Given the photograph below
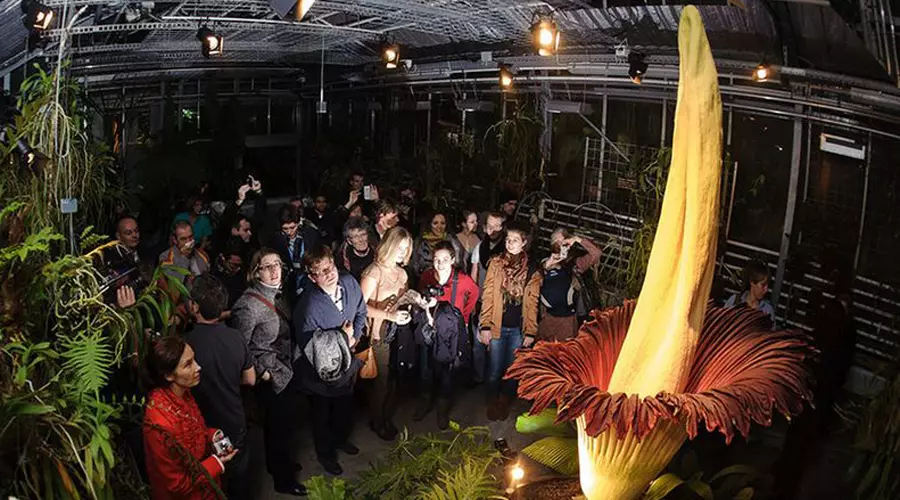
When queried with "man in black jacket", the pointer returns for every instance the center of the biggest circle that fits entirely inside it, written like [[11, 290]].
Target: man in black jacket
[[292, 242]]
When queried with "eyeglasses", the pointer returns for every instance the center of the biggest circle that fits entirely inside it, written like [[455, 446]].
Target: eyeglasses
[[271, 267], [324, 272]]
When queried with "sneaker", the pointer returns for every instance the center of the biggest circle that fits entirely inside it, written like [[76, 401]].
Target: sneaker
[[381, 431]]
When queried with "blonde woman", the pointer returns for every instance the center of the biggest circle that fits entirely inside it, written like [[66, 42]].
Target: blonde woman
[[382, 283]]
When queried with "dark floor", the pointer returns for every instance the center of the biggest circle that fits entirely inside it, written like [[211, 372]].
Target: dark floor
[[822, 476]]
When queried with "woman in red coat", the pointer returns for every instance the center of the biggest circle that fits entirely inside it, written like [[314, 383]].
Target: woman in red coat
[[179, 458], [457, 288]]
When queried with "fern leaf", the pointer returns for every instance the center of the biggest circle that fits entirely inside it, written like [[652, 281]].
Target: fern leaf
[[90, 359], [555, 452]]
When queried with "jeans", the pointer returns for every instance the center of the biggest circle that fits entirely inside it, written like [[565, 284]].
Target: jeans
[[381, 392], [237, 479], [502, 354]]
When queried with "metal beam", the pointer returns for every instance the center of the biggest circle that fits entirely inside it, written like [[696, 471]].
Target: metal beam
[[790, 208]]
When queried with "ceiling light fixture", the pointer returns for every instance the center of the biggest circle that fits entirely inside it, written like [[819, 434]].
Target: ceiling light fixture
[[391, 55], [212, 43], [545, 35], [506, 78], [761, 73], [303, 7], [37, 15], [637, 67]]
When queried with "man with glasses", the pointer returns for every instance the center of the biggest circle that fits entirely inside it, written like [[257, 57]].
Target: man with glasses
[[230, 271], [334, 306], [355, 254]]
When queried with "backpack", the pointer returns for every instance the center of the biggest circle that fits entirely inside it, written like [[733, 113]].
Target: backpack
[[449, 337]]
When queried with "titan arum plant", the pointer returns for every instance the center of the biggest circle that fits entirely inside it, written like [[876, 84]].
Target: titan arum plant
[[641, 378]]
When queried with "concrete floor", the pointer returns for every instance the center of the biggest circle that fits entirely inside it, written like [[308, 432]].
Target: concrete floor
[[469, 410]]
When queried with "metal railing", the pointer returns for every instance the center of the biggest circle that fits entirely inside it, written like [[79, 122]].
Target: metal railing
[[880, 34]]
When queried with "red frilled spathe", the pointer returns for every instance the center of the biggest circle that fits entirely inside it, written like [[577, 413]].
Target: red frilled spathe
[[742, 372]]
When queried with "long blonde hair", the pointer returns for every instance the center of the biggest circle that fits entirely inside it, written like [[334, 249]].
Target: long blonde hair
[[384, 255]]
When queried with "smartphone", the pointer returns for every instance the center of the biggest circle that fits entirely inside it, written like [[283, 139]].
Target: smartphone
[[564, 252], [367, 192]]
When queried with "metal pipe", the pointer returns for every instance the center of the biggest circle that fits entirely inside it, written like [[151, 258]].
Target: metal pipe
[[731, 201], [862, 215], [789, 209]]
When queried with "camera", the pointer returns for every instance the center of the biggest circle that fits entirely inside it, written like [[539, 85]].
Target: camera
[[367, 192], [221, 444], [432, 292]]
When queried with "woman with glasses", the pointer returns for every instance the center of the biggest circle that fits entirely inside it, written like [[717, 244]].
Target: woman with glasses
[[382, 284], [263, 317]]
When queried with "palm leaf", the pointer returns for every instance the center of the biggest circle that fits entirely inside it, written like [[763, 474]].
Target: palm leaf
[[555, 452]]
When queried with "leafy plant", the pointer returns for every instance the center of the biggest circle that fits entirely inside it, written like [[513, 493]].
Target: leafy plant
[[434, 466], [319, 488], [876, 443], [684, 479], [558, 450]]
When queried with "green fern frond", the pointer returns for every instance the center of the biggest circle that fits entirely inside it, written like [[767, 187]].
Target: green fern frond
[[470, 481], [555, 452], [90, 358]]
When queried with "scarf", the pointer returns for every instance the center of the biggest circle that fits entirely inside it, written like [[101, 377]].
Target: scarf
[[515, 273], [432, 239]]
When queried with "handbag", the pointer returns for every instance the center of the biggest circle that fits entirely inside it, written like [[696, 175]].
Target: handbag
[[369, 369]]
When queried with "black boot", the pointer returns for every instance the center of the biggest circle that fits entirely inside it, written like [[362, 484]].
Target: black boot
[[443, 414], [423, 408]]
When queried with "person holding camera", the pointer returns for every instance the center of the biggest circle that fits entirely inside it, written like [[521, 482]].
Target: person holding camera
[[562, 291], [184, 458], [228, 365], [184, 254], [443, 334]]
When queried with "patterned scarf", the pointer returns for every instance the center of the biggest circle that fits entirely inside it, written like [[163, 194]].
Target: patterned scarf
[[432, 239], [515, 273]]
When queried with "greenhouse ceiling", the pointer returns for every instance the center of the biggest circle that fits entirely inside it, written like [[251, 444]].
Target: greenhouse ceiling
[[116, 36]]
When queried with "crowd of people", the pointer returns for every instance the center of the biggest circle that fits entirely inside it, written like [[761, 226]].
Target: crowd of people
[[335, 302]]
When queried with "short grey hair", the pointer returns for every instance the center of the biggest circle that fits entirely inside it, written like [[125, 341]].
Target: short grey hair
[[355, 224]]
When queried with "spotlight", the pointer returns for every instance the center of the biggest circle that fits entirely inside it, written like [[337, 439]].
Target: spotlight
[[25, 151], [761, 73], [545, 35], [506, 78], [37, 15], [636, 67], [303, 7], [212, 43], [517, 473], [391, 55]]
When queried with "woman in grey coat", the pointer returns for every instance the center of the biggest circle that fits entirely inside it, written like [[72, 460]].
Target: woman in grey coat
[[263, 318]]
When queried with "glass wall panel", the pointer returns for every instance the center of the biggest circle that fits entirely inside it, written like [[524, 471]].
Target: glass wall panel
[[761, 151], [881, 233]]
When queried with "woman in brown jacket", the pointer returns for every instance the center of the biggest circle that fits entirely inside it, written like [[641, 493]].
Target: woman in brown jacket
[[509, 312]]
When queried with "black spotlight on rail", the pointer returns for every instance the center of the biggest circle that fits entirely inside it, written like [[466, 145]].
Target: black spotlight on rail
[[211, 42], [37, 15], [390, 53], [545, 34], [637, 67]]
